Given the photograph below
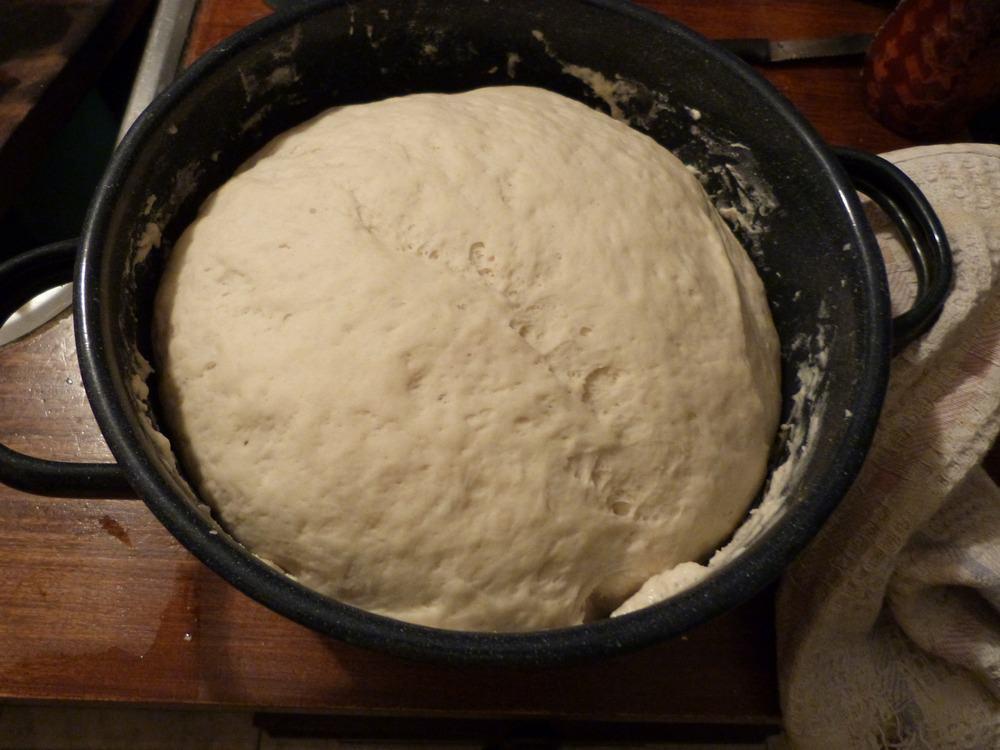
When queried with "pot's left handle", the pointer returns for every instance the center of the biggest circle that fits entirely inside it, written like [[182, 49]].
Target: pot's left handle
[[22, 278]]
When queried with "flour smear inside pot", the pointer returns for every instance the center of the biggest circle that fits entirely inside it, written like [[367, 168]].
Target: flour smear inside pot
[[484, 361]]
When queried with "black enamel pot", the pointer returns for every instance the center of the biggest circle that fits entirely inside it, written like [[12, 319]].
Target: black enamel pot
[[790, 198]]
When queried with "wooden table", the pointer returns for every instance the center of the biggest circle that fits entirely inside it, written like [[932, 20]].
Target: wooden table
[[99, 603]]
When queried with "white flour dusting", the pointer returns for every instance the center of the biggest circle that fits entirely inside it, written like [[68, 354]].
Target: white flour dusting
[[149, 239], [512, 60], [138, 381]]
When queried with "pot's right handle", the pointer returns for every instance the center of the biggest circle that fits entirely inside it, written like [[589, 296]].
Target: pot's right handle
[[22, 278], [925, 240]]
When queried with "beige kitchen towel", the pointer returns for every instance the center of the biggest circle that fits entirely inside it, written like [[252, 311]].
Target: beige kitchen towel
[[889, 622]]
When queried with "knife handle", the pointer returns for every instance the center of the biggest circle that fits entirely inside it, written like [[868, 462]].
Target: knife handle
[[750, 50]]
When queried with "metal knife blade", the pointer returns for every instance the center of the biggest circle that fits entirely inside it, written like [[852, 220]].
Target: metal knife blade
[[767, 50]]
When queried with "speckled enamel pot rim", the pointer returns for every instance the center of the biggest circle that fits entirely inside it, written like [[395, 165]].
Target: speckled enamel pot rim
[[735, 583]]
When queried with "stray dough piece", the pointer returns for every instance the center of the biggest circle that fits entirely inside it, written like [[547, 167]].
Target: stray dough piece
[[485, 361]]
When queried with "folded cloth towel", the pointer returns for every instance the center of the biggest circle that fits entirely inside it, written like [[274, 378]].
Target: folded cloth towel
[[889, 622]]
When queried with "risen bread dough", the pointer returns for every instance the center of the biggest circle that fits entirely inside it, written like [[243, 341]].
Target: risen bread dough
[[480, 361]]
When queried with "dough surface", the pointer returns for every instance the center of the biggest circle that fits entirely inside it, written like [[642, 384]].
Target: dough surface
[[484, 361]]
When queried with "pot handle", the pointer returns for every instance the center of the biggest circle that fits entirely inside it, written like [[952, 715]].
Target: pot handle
[[922, 233], [22, 278]]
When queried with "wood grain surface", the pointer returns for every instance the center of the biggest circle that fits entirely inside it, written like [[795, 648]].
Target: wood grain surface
[[98, 602]]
